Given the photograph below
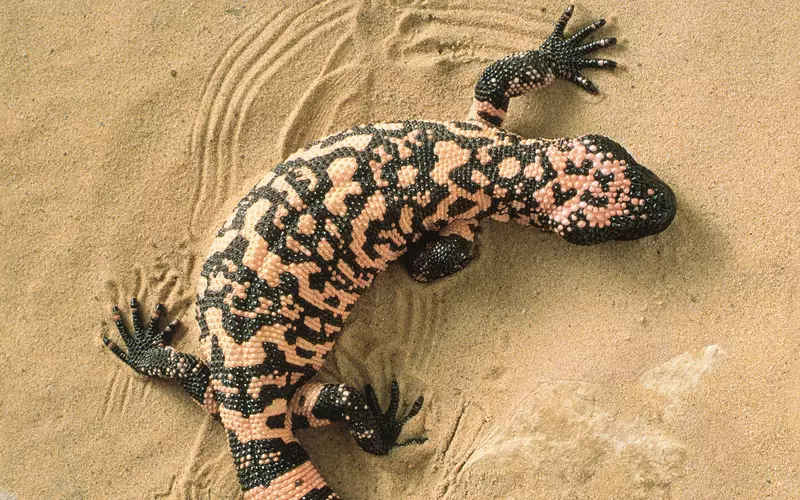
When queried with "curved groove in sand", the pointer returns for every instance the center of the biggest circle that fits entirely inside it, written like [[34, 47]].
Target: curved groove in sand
[[215, 100], [255, 77], [335, 65], [425, 35], [204, 125], [291, 136], [235, 81], [265, 72], [423, 318]]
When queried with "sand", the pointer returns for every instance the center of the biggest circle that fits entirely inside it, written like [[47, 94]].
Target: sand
[[665, 367]]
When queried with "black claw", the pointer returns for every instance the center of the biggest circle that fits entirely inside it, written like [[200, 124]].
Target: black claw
[[416, 440], [390, 427], [584, 82], [123, 332], [154, 318], [597, 63], [137, 321], [115, 349], [591, 47], [394, 400], [587, 31], [563, 20], [372, 400], [412, 412]]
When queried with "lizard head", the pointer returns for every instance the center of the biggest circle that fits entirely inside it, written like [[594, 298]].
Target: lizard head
[[590, 190], [624, 200]]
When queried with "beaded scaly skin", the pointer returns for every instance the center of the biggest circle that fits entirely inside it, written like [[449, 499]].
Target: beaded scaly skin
[[288, 265]]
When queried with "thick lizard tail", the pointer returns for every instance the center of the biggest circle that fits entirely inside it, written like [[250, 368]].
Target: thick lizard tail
[[277, 468]]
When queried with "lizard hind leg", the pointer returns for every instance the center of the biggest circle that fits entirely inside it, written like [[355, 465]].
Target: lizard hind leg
[[448, 252], [148, 354], [375, 431]]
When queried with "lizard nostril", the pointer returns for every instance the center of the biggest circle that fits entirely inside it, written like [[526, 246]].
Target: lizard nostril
[[660, 209], [667, 207]]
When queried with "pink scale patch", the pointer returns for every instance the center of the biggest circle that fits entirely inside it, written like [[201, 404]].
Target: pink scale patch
[[460, 227], [509, 167], [340, 172], [324, 249], [374, 209], [392, 234], [289, 193], [534, 170], [377, 173], [402, 149], [385, 156], [389, 126], [295, 246], [305, 173], [406, 218], [306, 224], [579, 152], [479, 108], [451, 156], [483, 155], [280, 213], [407, 175], [423, 199], [480, 179]]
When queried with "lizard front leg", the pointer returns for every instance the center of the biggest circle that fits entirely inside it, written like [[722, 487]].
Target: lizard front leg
[[449, 251], [558, 57], [149, 355]]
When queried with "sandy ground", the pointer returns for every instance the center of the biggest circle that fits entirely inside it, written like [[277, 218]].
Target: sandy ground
[[666, 367]]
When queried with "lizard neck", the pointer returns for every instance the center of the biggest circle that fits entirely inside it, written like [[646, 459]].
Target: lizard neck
[[514, 168]]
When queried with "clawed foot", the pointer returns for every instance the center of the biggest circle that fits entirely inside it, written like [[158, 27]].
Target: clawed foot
[[388, 427], [147, 353], [568, 54]]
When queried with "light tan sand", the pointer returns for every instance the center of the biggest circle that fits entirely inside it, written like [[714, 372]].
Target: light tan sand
[[666, 367]]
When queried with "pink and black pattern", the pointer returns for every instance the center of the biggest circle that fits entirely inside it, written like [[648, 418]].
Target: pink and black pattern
[[289, 264]]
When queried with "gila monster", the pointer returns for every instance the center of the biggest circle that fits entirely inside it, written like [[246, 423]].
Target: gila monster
[[287, 266]]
